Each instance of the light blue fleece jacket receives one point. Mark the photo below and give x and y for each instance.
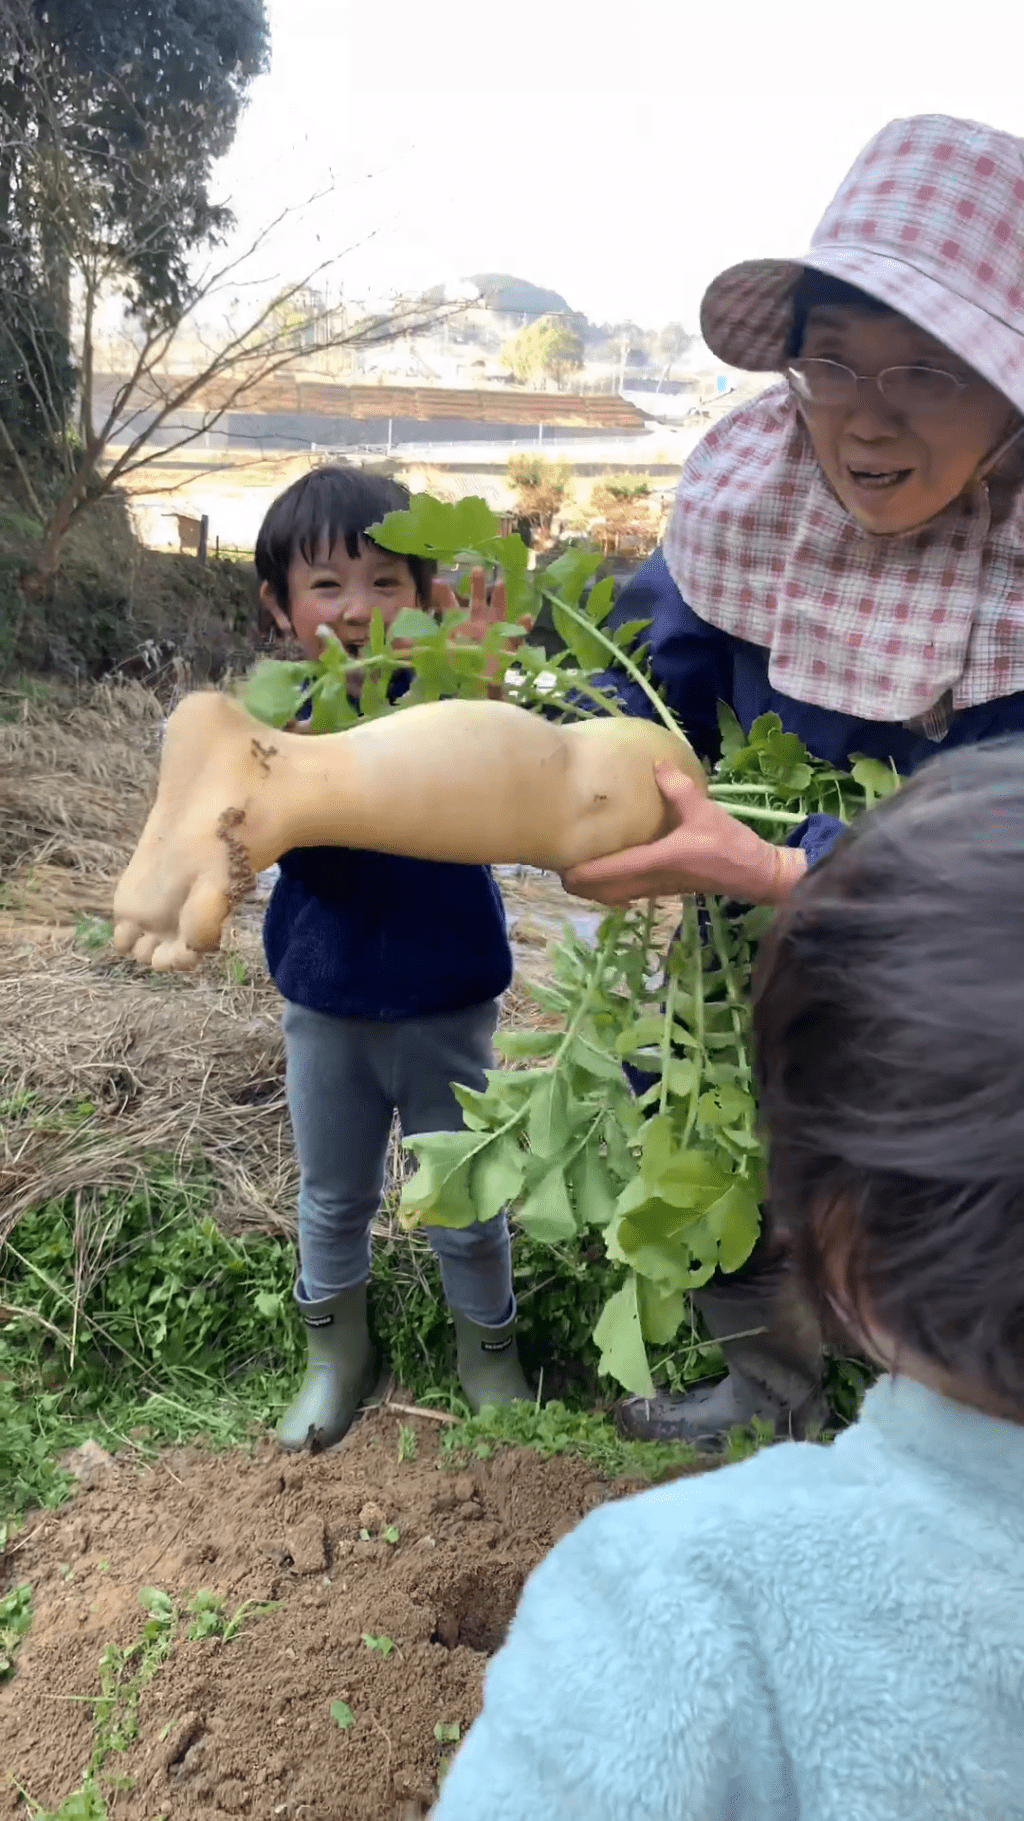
(816, 1634)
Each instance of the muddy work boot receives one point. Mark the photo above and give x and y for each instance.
(488, 1363)
(772, 1347)
(340, 1371)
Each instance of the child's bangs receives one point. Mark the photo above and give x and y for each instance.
(328, 515)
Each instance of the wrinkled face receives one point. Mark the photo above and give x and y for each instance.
(341, 591)
(893, 470)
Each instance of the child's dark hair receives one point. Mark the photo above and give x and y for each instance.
(889, 1029)
(817, 290)
(335, 503)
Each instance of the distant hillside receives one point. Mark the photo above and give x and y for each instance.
(516, 296)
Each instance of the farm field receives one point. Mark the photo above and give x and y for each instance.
(373, 1583)
(312, 1632)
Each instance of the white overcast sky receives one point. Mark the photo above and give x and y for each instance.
(621, 153)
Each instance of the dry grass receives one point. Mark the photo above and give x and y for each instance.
(103, 1066)
(77, 773)
(170, 1065)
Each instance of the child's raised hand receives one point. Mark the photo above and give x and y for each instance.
(485, 610)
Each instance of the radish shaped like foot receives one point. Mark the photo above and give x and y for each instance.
(204, 840)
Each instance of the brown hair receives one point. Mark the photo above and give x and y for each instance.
(889, 1027)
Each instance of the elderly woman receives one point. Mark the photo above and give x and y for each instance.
(847, 552)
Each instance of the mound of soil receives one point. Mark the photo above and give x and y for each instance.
(244, 1726)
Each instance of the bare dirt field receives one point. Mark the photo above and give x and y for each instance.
(391, 1582)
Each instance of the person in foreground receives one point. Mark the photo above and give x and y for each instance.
(833, 1633)
(846, 551)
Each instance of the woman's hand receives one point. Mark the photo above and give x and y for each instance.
(708, 851)
(485, 610)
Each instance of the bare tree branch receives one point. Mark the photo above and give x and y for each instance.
(23, 474)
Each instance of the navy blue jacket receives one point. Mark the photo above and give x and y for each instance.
(359, 934)
(700, 666)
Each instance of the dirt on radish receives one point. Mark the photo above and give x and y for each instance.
(392, 1575)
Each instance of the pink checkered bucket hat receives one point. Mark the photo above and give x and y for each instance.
(930, 220)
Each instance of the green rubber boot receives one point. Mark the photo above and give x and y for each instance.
(488, 1363)
(340, 1372)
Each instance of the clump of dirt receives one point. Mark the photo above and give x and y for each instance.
(244, 1726)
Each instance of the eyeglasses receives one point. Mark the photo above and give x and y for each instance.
(909, 390)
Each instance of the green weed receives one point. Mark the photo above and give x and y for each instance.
(130, 1312)
(209, 1620)
(15, 1621)
(93, 933)
(551, 1429)
(381, 1646)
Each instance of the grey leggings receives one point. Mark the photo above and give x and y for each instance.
(345, 1079)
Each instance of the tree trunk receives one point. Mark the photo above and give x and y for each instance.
(38, 581)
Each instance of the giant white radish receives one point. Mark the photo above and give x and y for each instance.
(466, 781)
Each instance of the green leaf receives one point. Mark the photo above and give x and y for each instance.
(439, 1191)
(333, 708)
(643, 1034)
(656, 1149)
(592, 1187)
(732, 1223)
(527, 1043)
(496, 1177)
(588, 651)
(273, 691)
(569, 574)
(876, 779)
(628, 633)
(731, 734)
(667, 1263)
(763, 729)
(600, 601)
(156, 1601)
(681, 1076)
(619, 1336)
(685, 1179)
(381, 1646)
(661, 1311)
(433, 528)
(547, 1214)
(447, 1732)
(724, 1105)
(378, 635)
(595, 1061)
(342, 1715)
(547, 1126)
(413, 623)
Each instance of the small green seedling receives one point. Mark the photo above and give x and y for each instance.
(382, 1646)
(407, 1443)
(391, 1534)
(342, 1715)
(207, 1611)
(208, 1617)
(67, 1573)
(447, 1732)
(15, 1621)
